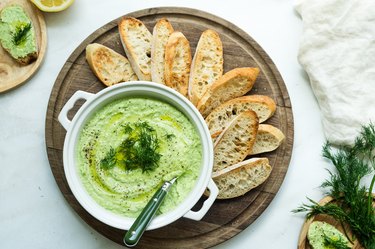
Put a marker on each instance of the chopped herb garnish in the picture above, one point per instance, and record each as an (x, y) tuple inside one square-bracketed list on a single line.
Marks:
[(137, 151), (336, 242), (353, 201), (170, 136), (140, 148), (109, 161), (20, 34), (127, 128)]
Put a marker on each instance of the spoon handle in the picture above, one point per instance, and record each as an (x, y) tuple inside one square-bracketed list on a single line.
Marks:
[(135, 232)]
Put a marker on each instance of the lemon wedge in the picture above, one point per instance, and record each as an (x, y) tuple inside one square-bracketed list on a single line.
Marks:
[(52, 5)]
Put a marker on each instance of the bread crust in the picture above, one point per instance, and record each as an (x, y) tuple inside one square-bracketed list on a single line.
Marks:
[(268, 139), (242, 177), (233, 84), (177, 63), (109, 66), (207, 64), (218, 119), (136, 40), (27, 59), (160, 35)]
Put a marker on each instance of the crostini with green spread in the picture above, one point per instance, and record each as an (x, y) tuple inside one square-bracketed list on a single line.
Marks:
[(17, 34)]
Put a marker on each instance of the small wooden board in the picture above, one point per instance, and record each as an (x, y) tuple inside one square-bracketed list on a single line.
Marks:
[(226, 218), (13, 74), (303, 242)]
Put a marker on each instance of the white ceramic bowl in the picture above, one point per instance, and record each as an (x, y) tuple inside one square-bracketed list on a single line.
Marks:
[(124, 90)]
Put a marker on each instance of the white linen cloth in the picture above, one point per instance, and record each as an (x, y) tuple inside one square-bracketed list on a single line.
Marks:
[(337, 50)]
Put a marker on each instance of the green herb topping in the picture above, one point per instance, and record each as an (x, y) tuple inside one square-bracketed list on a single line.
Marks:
[(137, 151), (110, 160), (337, 242), (20, 34), (170, 136), (353, 201)]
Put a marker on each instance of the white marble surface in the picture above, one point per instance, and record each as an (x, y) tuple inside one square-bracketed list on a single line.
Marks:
[(33, 212)]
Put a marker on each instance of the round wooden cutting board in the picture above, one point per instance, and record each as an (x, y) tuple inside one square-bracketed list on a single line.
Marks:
[(13, 74), (226, 218)]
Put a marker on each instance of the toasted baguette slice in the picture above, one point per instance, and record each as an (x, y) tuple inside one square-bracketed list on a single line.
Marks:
[(233, 84), (160, 34), (207, 65), (262, 105), (177, 63), (109, 66), (268, 139), (23, 48), (136, 40), (242, 177), (236, 141)]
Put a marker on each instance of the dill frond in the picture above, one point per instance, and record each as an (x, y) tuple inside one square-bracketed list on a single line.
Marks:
[(353, 201), (335, 243), (109, 161), (139, 149), (20, 34)]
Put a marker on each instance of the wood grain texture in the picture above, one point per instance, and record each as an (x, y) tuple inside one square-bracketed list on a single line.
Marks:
[(226, 218), (13, 74), (303, 242)]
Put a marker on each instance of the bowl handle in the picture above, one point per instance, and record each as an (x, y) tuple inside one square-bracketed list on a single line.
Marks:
[(198, 215), (63, 116)]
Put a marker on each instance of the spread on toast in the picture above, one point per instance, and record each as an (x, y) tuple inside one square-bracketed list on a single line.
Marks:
[(17, 34)]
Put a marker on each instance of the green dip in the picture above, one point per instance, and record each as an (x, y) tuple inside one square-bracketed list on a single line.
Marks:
[(12, 20), (126, 192), (316, 233)]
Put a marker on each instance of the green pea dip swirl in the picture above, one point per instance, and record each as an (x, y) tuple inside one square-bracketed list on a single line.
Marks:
[(126, 192)]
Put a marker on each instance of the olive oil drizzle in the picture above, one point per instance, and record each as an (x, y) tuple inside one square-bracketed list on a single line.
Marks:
[(139, 149), (90, 155)]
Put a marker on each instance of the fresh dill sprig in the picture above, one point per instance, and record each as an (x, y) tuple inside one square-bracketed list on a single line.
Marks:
[(20, 34), (353, 202), (127, 128), (109, 161), (338, 243), (139, 149)]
